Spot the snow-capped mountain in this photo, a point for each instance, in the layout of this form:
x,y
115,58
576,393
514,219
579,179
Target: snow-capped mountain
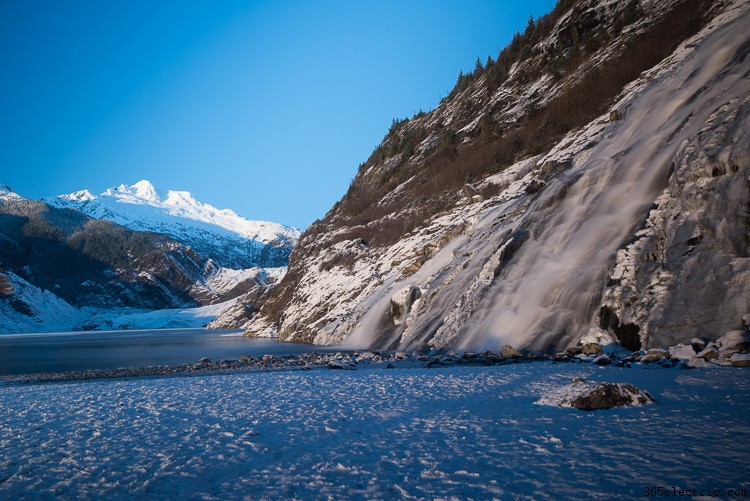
x,y
221,234
61,269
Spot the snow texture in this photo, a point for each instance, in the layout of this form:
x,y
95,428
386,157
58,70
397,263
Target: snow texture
x,y
372,434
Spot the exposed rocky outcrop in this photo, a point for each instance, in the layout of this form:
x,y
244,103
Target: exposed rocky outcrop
x,y
587,396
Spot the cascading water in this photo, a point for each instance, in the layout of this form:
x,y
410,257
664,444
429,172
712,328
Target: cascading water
x,y
545,293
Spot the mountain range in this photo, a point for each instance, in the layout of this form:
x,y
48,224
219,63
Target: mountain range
x,y
130,258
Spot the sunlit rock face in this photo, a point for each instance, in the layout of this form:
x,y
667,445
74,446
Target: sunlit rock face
x,y
523,219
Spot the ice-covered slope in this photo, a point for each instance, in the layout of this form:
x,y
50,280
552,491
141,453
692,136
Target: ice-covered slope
x,y
221,234
634,222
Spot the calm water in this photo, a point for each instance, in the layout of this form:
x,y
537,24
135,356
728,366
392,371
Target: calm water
x,y
30,353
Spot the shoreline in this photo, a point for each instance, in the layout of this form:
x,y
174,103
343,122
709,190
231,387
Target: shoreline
x,y
353,360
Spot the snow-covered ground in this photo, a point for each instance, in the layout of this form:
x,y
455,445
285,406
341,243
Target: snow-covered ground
x,y
466,432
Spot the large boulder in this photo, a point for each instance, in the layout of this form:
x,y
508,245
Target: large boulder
x,y
734,340
588,396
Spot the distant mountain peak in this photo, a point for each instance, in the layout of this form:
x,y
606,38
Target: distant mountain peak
x,y
141,206
144,189
7,192
79,196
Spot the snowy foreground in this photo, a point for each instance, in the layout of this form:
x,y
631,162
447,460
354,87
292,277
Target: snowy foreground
x,y
468,432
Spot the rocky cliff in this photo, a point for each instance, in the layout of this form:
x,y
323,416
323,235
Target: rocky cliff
x,y
590,180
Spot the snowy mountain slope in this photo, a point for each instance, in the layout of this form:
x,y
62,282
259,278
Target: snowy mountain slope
x,y
553,238
220,234
62,270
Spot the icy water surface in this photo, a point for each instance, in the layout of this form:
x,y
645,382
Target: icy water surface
x,y
466,432
30,353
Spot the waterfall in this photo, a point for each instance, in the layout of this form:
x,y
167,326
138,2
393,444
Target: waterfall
x,y
547,293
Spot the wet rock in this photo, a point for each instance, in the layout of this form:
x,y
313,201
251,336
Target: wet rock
x,y
589,396
434,362
591,349
390,366
740,360
402,302
470,356
204,361
697,344
423,358
734,340
509,352
536,185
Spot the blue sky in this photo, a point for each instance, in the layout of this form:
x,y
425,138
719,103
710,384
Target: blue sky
x,y
266,108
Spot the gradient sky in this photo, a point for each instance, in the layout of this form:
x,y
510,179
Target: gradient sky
x,y
266,107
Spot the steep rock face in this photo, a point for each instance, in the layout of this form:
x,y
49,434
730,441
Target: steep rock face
x,y
687,272
566,142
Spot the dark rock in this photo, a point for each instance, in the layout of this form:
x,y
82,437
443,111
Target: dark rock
x,y
434,362
591,349
609,395
204,361
602,359
697,344
535,186
390,366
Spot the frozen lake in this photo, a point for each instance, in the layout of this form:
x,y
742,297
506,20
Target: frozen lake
x,y
403,433
57,352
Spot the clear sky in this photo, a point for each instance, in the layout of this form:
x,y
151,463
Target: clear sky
x,y
264,107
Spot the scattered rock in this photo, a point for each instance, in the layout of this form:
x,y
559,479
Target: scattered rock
x,y
697,344
602,359
588,396
709,352
655,355
591,349
740,360
477,199
509,352
682,352
615,115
